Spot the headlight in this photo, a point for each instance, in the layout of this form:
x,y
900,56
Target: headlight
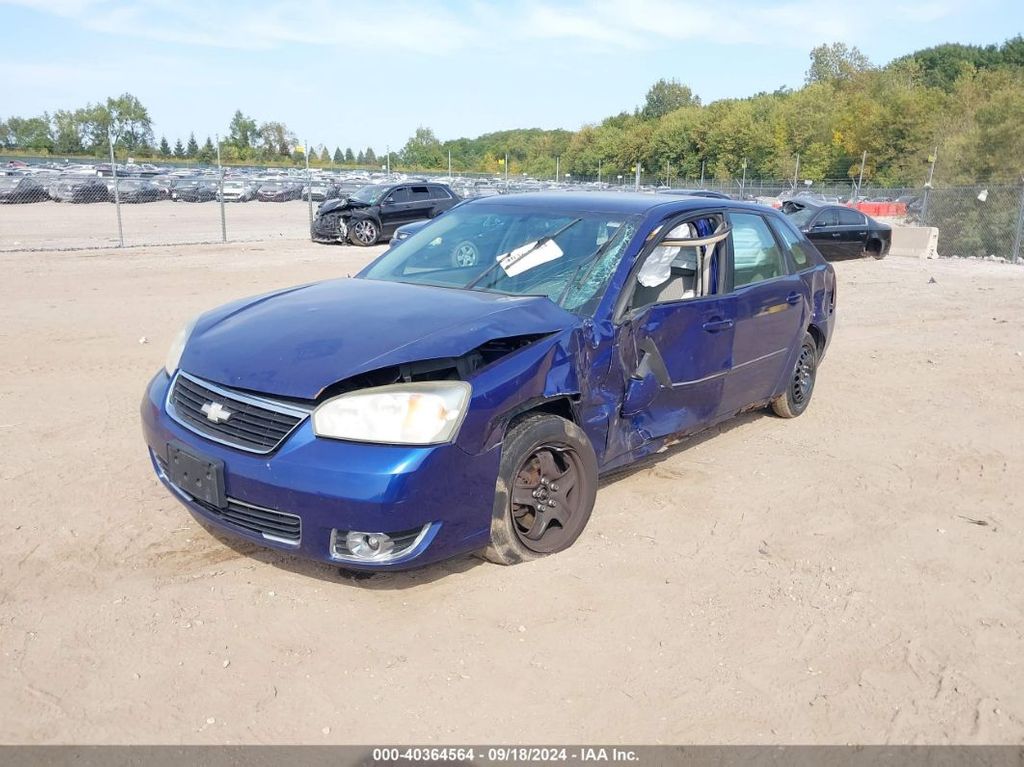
x,y
177,347
425,413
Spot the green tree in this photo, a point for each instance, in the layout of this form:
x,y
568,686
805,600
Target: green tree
x,y
836,62
351,158
325,156
208,153
666,96
67,132
129,122
31,133
242,132
361,158
192,147
370,157
165,148
339,156
179,150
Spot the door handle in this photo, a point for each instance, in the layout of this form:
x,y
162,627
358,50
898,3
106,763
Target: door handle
x,y
836,234
713,326
793,298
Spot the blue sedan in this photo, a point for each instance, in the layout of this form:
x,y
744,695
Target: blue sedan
x,y
464,392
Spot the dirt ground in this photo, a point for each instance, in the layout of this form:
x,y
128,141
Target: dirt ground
x,y
66,225
854,575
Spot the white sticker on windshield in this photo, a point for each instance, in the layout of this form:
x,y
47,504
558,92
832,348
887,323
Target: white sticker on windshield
x,y
528,256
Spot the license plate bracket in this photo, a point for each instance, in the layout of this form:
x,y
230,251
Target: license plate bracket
x,y
199,476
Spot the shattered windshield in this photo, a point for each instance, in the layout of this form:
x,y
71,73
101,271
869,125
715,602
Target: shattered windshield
x,y
368,194
799,215
566,256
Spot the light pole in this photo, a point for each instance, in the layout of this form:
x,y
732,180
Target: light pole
x,y
743,183
220,172
860,181
620,179
598,172
387,148
796,173
557,167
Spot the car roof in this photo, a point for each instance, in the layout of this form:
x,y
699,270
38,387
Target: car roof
x,y
613,202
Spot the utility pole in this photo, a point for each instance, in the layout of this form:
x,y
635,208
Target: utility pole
x,y
387,148
702,174
743,183
506,170
449,164
599,172
557,168
636,187
860,181
796,173
1019,238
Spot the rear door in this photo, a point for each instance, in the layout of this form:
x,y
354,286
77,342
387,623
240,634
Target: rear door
x,y
853,232
770,310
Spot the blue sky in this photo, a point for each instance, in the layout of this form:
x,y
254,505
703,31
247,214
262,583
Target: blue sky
x,y
367,74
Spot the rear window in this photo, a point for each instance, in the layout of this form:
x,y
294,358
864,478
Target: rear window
x,y
796,244
848,217
756,254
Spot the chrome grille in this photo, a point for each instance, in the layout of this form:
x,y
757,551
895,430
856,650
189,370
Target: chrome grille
x,y
255,424
274,525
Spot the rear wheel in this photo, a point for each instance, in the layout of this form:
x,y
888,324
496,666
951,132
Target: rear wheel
x,y
363,232
798,392
874,249
547,483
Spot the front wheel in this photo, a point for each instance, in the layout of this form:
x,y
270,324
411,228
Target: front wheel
x,y
363,232
798,392
547,483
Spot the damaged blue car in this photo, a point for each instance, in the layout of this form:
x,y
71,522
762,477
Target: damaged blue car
x,y
465,391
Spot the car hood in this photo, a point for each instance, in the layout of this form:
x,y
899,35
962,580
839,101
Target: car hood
x,y
342,203
297,342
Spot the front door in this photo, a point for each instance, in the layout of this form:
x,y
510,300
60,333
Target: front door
x,y
824,233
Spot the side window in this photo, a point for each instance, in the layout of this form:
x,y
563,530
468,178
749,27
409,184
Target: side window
x,y
439,193
419,193
796,244
756,255
827,217
399,195
848,217
683,265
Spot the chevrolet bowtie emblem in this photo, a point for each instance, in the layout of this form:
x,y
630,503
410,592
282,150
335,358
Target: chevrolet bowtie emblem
x,y
216,412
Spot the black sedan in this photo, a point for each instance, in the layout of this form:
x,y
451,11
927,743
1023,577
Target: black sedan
x,y
195,190
80,189
838,231
137,190
376,211
279,191
14,189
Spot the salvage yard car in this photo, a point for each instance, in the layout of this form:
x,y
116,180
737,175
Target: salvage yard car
x,y
838,231
374,212
428,407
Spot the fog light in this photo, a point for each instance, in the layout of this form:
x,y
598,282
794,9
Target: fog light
x,y
375,548
369,545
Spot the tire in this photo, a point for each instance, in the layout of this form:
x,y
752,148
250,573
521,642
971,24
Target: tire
x,y
363,232
466,253
539,452
875,249
800,384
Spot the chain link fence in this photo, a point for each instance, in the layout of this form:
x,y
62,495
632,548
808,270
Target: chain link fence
x,y
50,206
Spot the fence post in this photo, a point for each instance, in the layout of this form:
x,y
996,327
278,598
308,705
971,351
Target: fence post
x,y
223,219
1019,237
117,193
309,190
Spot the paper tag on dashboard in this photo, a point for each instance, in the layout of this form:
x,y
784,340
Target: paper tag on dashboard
x,y
528,256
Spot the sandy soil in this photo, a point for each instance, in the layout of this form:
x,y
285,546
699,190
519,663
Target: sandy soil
x,y
854,575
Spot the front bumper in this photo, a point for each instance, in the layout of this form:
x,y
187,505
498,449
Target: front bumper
x,y
329,228
332,485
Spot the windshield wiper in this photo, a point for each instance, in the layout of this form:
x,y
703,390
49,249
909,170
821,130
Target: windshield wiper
x,y
590,261
540,243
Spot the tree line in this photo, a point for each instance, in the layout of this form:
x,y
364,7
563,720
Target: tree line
x,y
965,101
